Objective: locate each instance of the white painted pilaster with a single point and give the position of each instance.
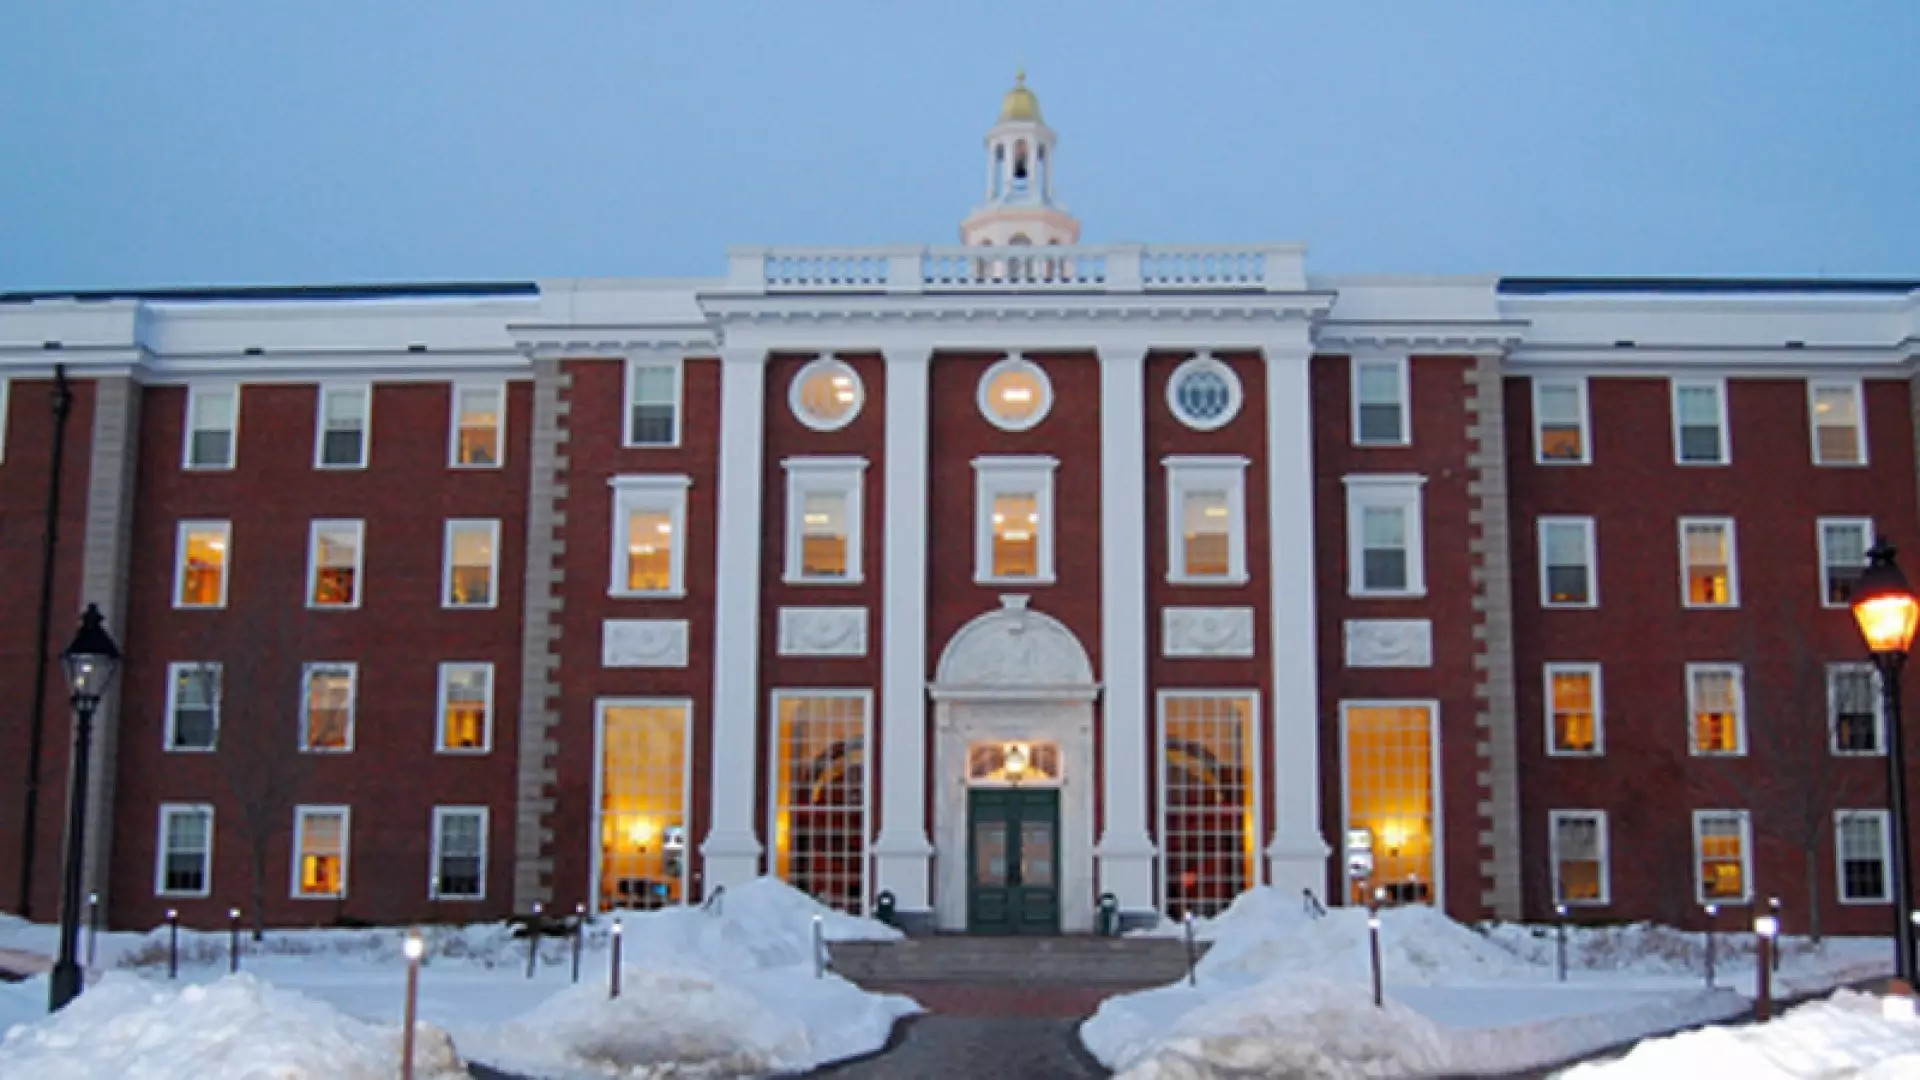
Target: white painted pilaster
(1297, 856)
(902, 852)
(732, 847)
(1126, 850)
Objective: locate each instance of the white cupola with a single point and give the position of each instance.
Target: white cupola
(1020, 207)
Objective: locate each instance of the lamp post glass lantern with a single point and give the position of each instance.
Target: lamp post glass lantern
(1888, 613)
(90, 664)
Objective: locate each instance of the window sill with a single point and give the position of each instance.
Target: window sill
(456, 898)
(189, 749)
(319, 896)
(228, 467)
(669, 594)
(811, 582)
(462, 751)
(1883, 902)
(333, 607)
(1383, 444)
(1709, 607)
(1224, 581)
(1578, 754)
(1377, 594)
(1717, 753)
(198, 607)
(1016, 581)
(1594, 606)
(1600, 903)
(1562, 463)
(458, 466)
(167, 895)
(353, 467)
(1859, 753)
(1846, 465)
(674, 445)
(1703, 464)
(444, 606)
(327, 751)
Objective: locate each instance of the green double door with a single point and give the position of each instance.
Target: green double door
(1013, 861)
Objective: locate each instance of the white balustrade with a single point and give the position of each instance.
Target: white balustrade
(1115, 268)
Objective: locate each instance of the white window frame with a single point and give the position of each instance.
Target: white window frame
(1434, 790)
(678, 368)
(300, 815)
(649, 491)
(1401, 367)
(774, 699)
(1733, 565)
(1693, 671)
(1014, 362)
(195, 392)
(1204, 473)
(327, 390)
(828, 364)
(1599, 817)
(1835, 669)
(1820, 526)
(440, 710)
(225, 529)
(1589, 532)
(843, 476)
(1885, 821)
(307, 672)
(168, 811)
(174, 672)
(440, 814)
(1592, 672)
(453, 425)
(596, 850)
(1394, 491)
(1203, 363)
(1858, 391)
(1746, 857)
(1719, 388)
(994, 476)
(454, 525)
(314, 528)
(1256, 772)
(1578, 383)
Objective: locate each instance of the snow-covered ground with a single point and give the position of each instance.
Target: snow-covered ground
(1281, 993)
(731, 992)
(1848, 1035)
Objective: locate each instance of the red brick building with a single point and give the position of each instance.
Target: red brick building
(989, 579)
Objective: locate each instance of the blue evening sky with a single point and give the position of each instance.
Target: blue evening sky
(290, 142)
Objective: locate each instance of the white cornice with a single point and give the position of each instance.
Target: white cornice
(1405, 338)
(1892, 361)
(552, 341)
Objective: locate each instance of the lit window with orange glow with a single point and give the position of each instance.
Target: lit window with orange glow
(1206, 499)
(643, 802)
(335, 550)
(1716, 701)
(826, 394)
(1839, 436)
(1390, 771)
(1720, 843)
(1560, 421)
(466, 708)
(472, 563)
(1579, 842)
(1706, 548)
(649, 525)
(478, 426)
(1209, 810)
(1016, 536)
(1573, 709)
(320, 852)
(823, 527)
(201, 579)
(820, 795)
(1015, 394)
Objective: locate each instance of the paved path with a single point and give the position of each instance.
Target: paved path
(1007, 1032)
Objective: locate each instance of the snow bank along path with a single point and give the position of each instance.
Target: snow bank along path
(1847, 1035)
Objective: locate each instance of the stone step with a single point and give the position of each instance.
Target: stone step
(963, 958)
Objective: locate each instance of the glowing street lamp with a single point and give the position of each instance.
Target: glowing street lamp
(90, 664)
(1888, 613)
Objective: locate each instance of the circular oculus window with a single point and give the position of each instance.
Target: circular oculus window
(826, 394)
(1015, 394)
(1204, 393)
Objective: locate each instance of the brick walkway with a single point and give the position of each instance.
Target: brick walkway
(1009, 1031)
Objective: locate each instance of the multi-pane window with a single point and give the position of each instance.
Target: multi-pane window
(1567, 562)
(1853, 708)
(320, 836)
(473, 564)
(186, 850)
(1839, 424)
(213, 415)
(1861, 848)
(1380, 403)
(1579, 853)
(820, 795)
(1015, 394)
(1013, 539)
(653, 404)
(200, 577)
(193, 706)
(823, 519)
(1391, 779)
(650, 542)
(642, 822)
(1843, 556)
(1206, 534)
(1700, 422)
(1709, 578)
(1716, 707)
(466, 708)
(327, 706)
(1560, 421)
(479, 426)
(1209, 806)
(1385, 553)
(342, 439)
(1573, 709)
(826, 394)
(1204, 393)
(1721, 839)
(459, 853)
(335, 553)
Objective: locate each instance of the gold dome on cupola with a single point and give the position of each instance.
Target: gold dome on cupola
(1020, 104)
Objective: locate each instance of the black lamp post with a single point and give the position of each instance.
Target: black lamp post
(1888, 612)
(90, 664)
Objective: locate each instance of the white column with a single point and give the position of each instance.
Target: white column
(1126, 849)
(902, 852)
(732, 848)
(1297, 857)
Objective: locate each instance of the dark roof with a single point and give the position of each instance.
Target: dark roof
(1544, 286)
(427, 291)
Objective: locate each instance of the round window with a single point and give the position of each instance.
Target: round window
(826, 394)
(1015, 394)
(1204, 393)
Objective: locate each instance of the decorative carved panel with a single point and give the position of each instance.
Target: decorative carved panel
(1393, 643)
(630, 643)
(1015, 648)
(823, 631)
(1199, 631)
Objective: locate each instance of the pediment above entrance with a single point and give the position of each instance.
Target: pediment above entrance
(1014, 652)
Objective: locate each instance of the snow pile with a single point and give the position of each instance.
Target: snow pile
(1418, 945)
(238, 1028)
(1846, 1035)
(1806, 966)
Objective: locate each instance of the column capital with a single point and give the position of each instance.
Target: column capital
(907, 354)
(743, 354)
(1131, 353)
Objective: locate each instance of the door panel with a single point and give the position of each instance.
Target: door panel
(1013, 861)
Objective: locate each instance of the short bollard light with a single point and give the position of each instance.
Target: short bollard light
(1766, 927)
(819, 948)
(1373, 951)
(93, 923)
(233, 940)
(1560, 944)
(533, 939)
(613, 970)
(1712, 911)
(579, 929)
(173, 943)
(1186, 931)
(885, 906)
(1109, 915)
(1773, 908)
(415, 949)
